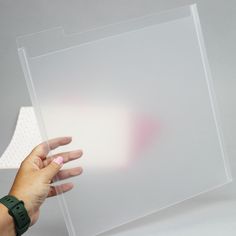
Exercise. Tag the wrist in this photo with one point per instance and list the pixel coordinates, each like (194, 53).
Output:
(25, 200)
(7, 226)
(18, 212)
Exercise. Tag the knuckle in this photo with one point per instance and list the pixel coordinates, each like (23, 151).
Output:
(23, 163)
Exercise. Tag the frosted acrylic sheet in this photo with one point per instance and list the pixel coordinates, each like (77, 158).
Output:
(137, 98)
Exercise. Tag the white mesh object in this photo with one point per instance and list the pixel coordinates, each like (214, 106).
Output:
(25, 137)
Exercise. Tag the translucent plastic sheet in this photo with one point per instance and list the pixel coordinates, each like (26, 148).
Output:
(137, 97)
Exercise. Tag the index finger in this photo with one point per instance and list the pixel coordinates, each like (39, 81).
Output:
(44, 148)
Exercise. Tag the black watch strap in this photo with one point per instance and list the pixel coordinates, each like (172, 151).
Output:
(17, 210)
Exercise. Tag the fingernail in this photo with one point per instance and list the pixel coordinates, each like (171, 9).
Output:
(76, 153)
(59, 160)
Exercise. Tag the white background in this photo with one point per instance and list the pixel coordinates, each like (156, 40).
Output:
(210, 214)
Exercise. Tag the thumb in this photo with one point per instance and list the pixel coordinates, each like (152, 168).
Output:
(52, 169)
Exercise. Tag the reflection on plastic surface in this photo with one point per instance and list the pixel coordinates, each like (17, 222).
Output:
(137, 97)
(111, 136)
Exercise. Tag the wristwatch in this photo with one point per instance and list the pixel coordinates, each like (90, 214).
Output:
(17, 210)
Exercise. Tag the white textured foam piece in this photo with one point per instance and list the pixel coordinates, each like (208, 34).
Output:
(25, 138)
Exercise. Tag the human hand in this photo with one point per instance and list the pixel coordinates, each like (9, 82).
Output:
(32, 183)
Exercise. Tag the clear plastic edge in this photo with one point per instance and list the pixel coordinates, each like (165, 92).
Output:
(210, 86)
(33, 96)
(66, 41)
(62, 202)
